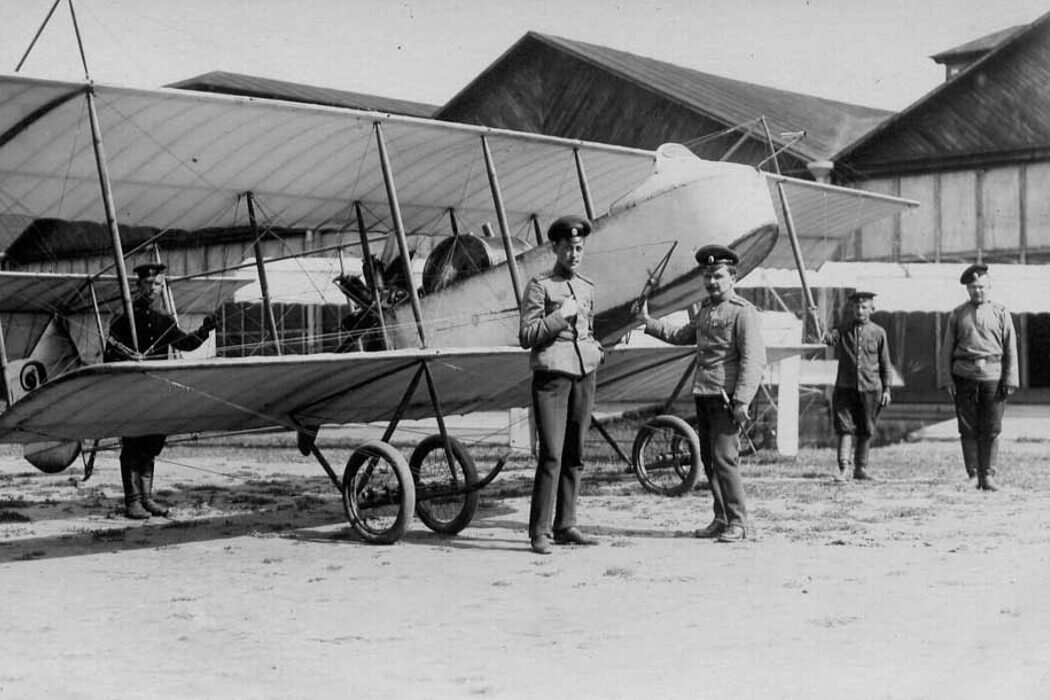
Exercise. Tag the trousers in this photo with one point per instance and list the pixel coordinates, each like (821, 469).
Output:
(719, 450)
(562, 407)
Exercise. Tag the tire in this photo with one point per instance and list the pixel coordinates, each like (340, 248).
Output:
(445, 514)
(378, 493)
(666, 456)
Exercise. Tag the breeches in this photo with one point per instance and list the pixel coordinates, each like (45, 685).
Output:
(855, 412)
(979, 411)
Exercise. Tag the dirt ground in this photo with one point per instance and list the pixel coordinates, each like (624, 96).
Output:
(917, 586)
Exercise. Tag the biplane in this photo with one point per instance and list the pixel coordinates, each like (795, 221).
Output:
(175, 160)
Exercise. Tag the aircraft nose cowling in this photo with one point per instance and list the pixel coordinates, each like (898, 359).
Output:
(698, 202)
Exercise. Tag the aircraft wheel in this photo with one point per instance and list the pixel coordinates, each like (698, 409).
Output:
(378, 493)
(666, 456)
(440, 501)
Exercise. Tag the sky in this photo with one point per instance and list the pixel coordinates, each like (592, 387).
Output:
(868, 52)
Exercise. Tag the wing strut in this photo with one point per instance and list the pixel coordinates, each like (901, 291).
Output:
(399, 232)
(260, 267)
(796, 249)
(585, 189)
(111, 216)
(501, 217)
(370, 271)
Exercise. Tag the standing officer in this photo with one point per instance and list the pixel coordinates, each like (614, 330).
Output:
(978, 367)
(556, 313)
(156, 331)
(730, 355)
(862, 385)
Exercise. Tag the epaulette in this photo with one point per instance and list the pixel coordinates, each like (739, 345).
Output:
(739, 300)
(544, 275)
(584, 279)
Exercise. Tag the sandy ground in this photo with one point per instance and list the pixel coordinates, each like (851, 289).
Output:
(918, 586)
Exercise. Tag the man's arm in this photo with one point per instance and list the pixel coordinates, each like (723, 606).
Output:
(885, 373)
(537, 327)
(752, 351)
(944, 371)
(1011, 376)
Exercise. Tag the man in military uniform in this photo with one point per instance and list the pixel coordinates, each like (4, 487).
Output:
(730, 355)
(862, 385)
(556, 315)
(156, 332)
(978, 366)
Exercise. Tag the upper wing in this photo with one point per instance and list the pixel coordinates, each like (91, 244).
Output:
(171, 397)
(823, 216)
(181, 159)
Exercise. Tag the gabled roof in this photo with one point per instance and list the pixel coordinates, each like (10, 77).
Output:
(829, 125)
(252, 86)
(995, 109)
(977, 46)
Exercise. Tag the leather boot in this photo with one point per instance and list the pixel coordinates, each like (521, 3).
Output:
(845, 456)
(146, 476)
(988, 455)
(130, 480)
(860, 463)
(969, 450)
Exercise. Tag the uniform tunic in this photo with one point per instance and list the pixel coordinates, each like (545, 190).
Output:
(564, 356)
(157, 331)
(979, 358)
(730, 356)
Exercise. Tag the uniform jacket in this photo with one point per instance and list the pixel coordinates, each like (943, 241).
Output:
(979, 343)
(863, 354)
(157, 331)
(558, 344)
(730, 352)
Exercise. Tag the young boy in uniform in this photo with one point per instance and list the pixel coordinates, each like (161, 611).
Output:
(862, 385)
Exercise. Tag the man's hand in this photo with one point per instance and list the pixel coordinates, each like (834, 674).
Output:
(1003, 391)
(208, 325)
(569, 308)
(885, 400)
(830, 337)
(641, 312)
(740, 413)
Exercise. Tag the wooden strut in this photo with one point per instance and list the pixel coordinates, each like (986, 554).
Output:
(370, 271)
(501, 217)
(399, 232)
(796, 249)
(260, 266)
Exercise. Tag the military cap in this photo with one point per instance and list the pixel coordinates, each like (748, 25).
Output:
(716, 255)
(861, 296)
(571, 226)
(972, 272)
(147, 270)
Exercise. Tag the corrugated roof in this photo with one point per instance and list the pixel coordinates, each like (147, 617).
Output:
(996, 106)
(252, 86)
(830, 125)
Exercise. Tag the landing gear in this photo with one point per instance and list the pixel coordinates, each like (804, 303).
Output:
(666, 456)
(379, 495)
(447, 494)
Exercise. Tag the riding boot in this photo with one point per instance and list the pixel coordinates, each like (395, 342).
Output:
(132, 483)
(148, 503)
(988, 455)
(861, 461)
(969, 450)
(845, 456)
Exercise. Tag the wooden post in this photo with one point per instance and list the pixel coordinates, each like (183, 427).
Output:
(399, 232)
(260, 268)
